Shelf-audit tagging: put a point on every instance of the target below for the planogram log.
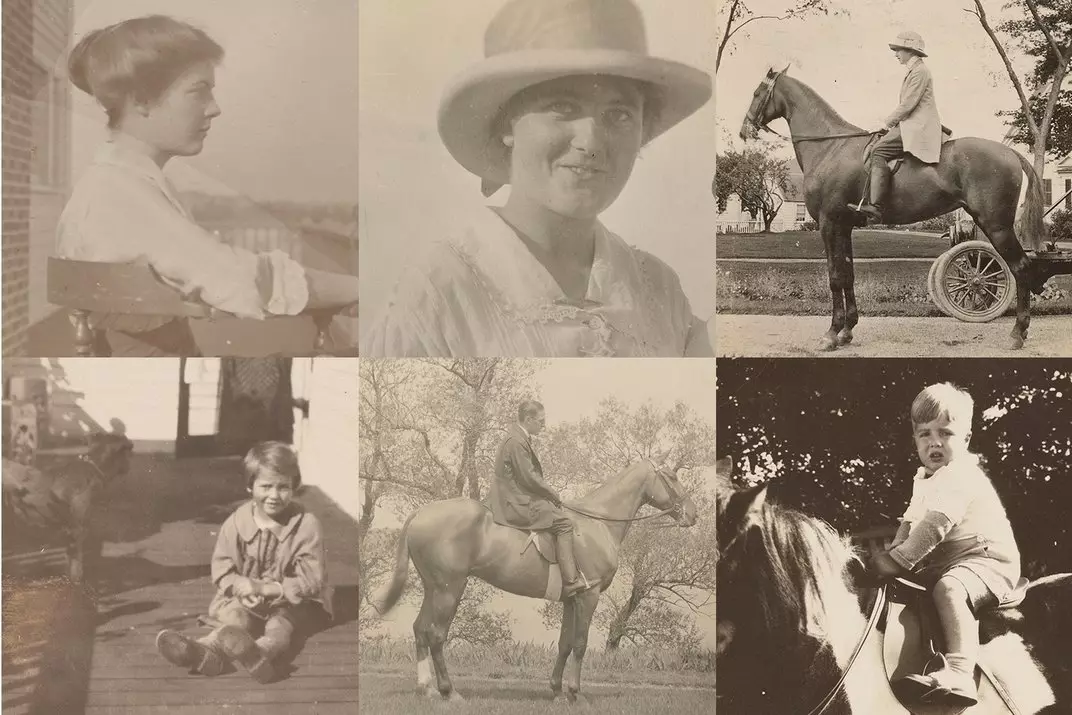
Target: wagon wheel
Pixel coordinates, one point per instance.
(973, 283)
(932, 287)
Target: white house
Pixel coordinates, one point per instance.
(791, 215)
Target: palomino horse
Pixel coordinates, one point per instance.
(793, 638)
(989, 180)
(453, 539)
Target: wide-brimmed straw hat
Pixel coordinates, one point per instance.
(910, 41)
(533, 41)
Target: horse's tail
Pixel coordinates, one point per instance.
(386, 598)
(1029, 226)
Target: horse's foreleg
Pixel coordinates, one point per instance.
(584, 608)
(828, 230)
(1023, 313)
(848, 283)
(444, 604)
(565, 646)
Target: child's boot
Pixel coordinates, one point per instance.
(952, 684)
(188, 653)
(242, 649)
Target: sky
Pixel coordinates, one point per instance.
(411, 190)
(847, 60)
(287, 88)
(569, 390)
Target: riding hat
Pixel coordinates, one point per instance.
(910, 41)
(533, 41)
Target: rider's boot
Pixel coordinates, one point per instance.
(567, 564)
(880, 181)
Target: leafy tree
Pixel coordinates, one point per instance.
(1044, 33)
(667, 570)
(758, 178)
(837, 444)
(738, 14)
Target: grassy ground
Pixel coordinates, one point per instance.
(651, 666)
(893, 288)
(808, 244)
(395, 696)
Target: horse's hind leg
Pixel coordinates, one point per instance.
(1005, 242)
(829, 229)
(565, 647)
(442, 600)
(424, 657)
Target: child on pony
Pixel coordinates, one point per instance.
(954, 538)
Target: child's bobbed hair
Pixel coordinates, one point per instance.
(137, 59)
(943, 399)
(274, 457)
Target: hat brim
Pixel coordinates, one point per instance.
(921, 53)
(473, 101)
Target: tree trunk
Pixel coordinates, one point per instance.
(617, 626)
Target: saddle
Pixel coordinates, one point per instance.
(544, 543)
(912, 643)
(895, 163)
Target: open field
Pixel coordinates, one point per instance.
(393, 694)
(809, 244)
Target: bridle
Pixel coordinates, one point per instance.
(677, 502)
(754, 119)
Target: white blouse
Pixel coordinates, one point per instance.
(124, 210)
(484, 294)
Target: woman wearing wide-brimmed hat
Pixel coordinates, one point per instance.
(559, 109)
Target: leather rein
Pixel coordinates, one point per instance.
(677, 500)
(753, 119)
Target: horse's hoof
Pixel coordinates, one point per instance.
(829, 344)
(560, 699)
(455, 697)
(431, 692)
(844, 337)
(579, 699)
(1016, 343)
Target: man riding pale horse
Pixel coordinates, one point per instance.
(914, 127)
(520, 497)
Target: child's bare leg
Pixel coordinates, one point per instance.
(958, 622)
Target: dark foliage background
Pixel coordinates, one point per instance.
(833, 438)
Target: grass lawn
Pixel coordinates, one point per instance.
(893, 288)
(809, 244)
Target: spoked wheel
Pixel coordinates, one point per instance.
(932, 286)
(972, 283)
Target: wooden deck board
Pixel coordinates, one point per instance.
(69, 652)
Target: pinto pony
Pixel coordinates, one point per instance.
(451, 540)
(992, 182)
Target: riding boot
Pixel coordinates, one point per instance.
(880, 181)
(567, 564)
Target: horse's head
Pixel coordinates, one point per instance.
(765, 106)
(110, 453)
(666, 492)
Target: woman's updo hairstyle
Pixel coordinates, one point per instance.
(137, 59)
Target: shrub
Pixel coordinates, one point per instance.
(1061, 225)
(809, 226)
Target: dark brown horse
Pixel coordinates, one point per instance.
(991, 181)
(453, 539)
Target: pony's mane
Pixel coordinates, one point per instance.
(804, 563)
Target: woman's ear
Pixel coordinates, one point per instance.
(508, 140)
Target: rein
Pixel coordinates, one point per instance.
(754, 119)
(674, 507)
(876, 611)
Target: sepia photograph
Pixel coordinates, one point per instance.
(534, 178)
(894, 538)
(172, 185)
(894, 178)
(537, 532)
(179, 534)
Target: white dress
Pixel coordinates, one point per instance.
(483, 294)
(124, 210)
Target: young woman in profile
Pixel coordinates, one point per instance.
(154, 76)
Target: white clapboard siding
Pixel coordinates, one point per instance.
(203, 377)
(327, 440)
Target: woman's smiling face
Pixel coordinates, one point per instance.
(573, 142)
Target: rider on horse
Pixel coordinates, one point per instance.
(913, 127)
(522, 499)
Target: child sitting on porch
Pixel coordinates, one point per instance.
(268, 568)
(955, 539)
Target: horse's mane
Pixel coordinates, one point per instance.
(804, 567)
(613, 481)
(820, 105)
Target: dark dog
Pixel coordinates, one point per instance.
(62, 497)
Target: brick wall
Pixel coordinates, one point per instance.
(17, 91)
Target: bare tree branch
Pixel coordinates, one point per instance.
(980, 14)
(1033, 7)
